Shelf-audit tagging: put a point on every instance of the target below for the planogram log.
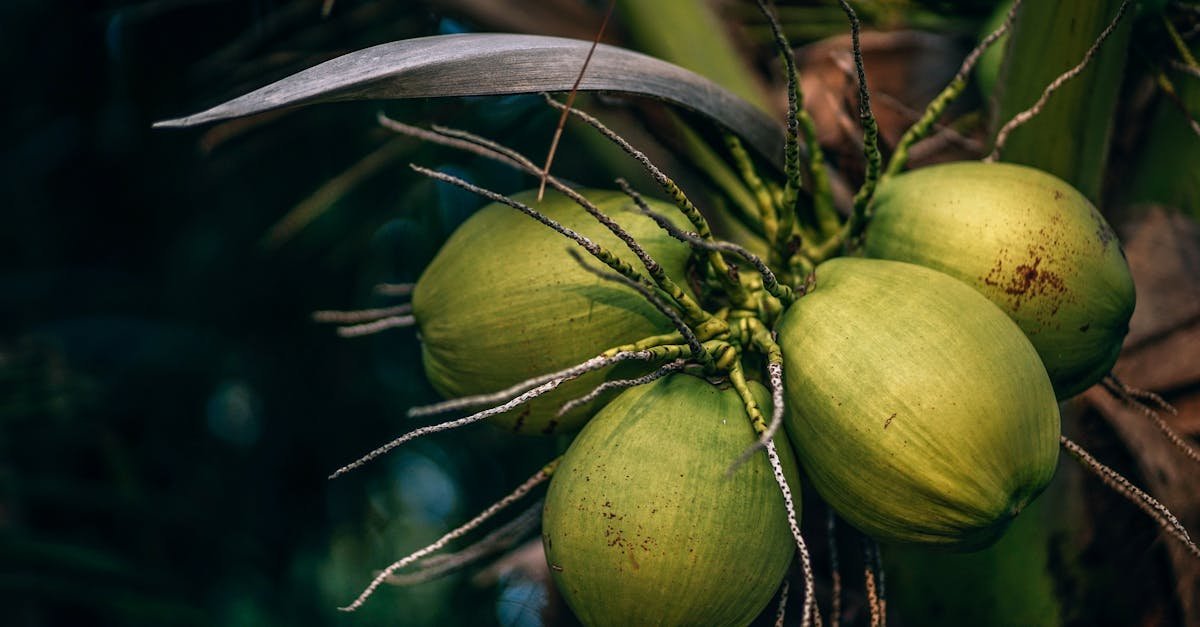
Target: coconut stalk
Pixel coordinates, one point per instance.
(1070, 137)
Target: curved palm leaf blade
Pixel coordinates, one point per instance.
(483, 64)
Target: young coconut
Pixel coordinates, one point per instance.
(504, 301)
(1029, 242)
(642, 524)
(920, 412)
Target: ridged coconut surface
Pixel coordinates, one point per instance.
(1028, 241)
(504, 301)
(643, 527)
(919, 411)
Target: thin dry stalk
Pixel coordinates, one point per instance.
(621, 384)
(835, 611)
(562, 120)
(498, 540)
(538, 478)
(1021, 118)
(360, 315)
(948, 95)
(1133, 397)
(1163, 516)
(544, 388)
(394, 289)
(377, 326)
(482, 400)
(811, 614)
(781, 611)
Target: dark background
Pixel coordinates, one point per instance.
(168, 411)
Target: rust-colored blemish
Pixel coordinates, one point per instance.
(1029, 280)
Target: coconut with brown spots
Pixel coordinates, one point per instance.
(1028, 241)
(642, 523)
(919, 411)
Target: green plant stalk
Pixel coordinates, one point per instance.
(1071, 136)
(1170, 140)
(674, 29)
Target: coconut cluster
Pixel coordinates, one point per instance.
(917, 405)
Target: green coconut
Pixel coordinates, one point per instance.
(642, 525)
(504, 301)
(1028, 241)
(919, 411)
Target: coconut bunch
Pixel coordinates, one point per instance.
(906, 359)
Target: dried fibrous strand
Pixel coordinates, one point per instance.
(621, 384)
(810, 614)
(394, 289)
(499, 539)
(360, 315)
(781, 610)
(1163, 516)
(488, 148)
(531, 483)
(597, 251)
(537, 391)
(376, 326)
(1021, 118)
(481, 400)
(1134, 398)
(562, 120)
(677, 195)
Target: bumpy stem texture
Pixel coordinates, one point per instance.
(952, 91)
(1163, 516)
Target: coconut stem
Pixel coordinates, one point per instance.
(858, 218)
(1024, 116)
(376, 326)
(621, 384)
(810, 614)
(502, 154)
(1161, 515)
(479, 400)
(1133, 397)
(781, 610)
(762, 195)
(360, 315)
(498, 540)
(549, 385)
(952, 91)
(770, 283)
(677, 195)
(603, 254)
(799, 121)
(538, 478)
(774, 383)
